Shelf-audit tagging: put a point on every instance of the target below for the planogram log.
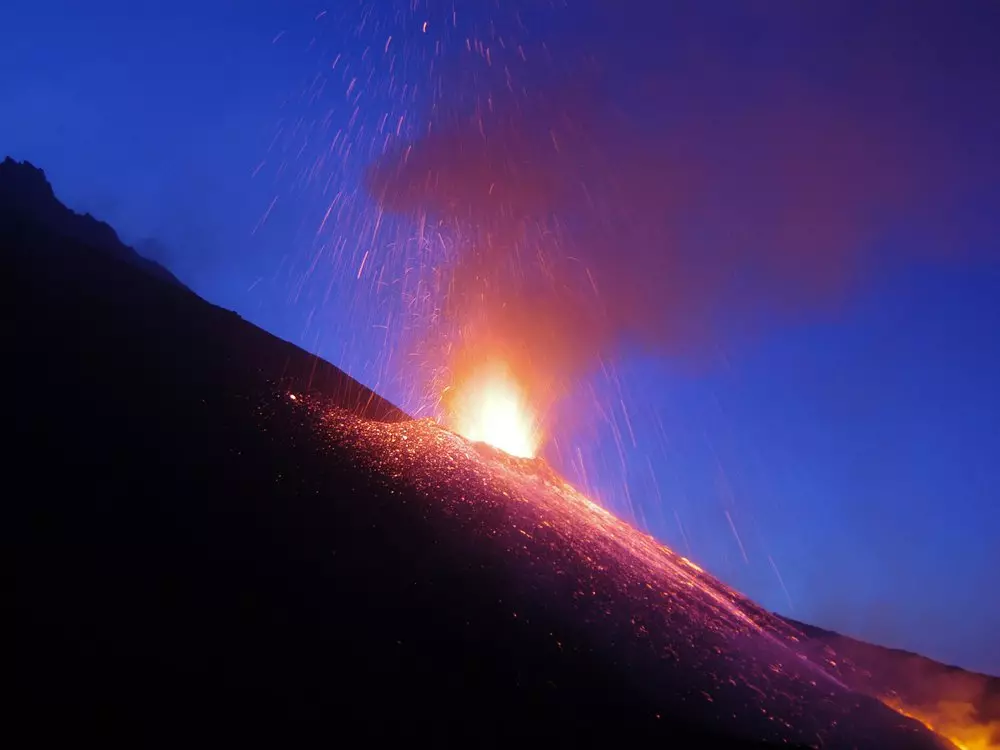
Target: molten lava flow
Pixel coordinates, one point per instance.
(954, 720)
(489, 407)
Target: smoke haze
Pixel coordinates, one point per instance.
(628, 183)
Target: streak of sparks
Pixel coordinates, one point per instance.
(382, 77)
(777, 573)
(737, 536)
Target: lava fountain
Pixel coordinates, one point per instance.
(491, 407)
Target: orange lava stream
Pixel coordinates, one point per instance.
(953, 720)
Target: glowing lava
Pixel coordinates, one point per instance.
(954, 720)
(490, 407)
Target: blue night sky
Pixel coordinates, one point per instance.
(837, 462)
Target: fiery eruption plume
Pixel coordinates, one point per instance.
(490, 407)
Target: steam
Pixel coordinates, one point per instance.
(658, 193)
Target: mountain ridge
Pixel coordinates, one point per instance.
(27, 195)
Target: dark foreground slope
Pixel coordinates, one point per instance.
(198, 556)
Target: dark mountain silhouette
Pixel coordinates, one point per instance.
(27, 197)
(60, 251)
(197, 555)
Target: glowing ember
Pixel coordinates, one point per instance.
(490, 408)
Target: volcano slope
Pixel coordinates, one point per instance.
(216, 536)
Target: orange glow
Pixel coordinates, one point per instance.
(490, 407)
(954, 720)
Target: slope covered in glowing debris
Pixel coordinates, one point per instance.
(197, 554)
(698, 650)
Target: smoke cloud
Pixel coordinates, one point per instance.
(648, 179)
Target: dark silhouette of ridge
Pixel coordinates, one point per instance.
(27, 196)
(197, 558)
(62, 251)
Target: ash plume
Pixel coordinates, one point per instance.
(633, 182)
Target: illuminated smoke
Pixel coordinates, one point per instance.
(649, 178)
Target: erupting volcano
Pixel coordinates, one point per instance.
(465, 588)
(498, 209)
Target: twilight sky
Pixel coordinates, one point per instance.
(790, 212)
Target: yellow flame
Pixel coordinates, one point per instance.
(491, 408)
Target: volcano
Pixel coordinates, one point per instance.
(218, 537)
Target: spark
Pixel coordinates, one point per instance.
(781, 581)
(267, 213)
(738, 540)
